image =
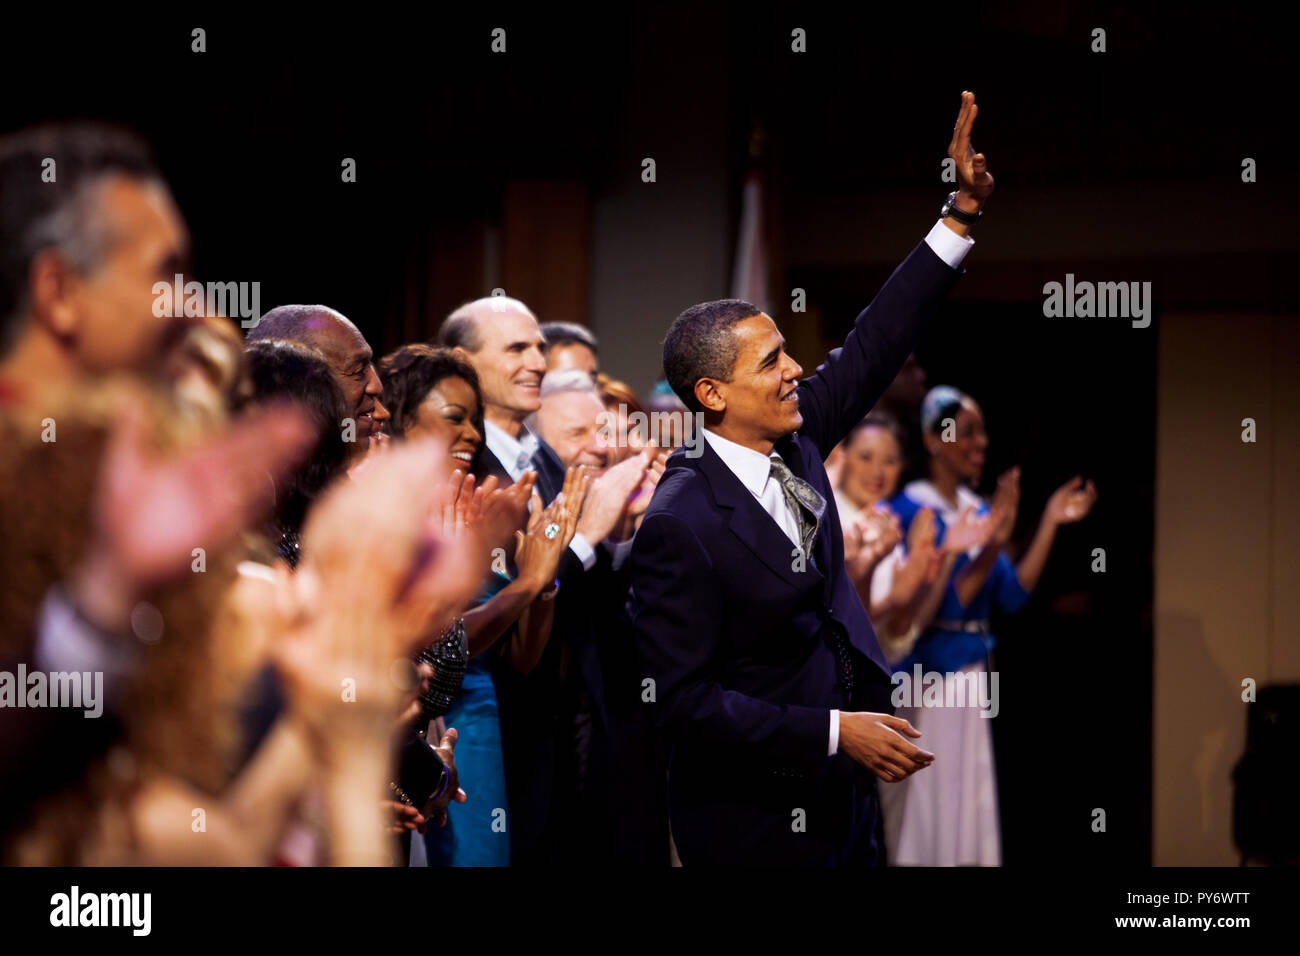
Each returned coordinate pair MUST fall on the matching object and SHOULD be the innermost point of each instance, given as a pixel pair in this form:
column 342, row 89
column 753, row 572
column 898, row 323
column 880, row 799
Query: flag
column 749, row 280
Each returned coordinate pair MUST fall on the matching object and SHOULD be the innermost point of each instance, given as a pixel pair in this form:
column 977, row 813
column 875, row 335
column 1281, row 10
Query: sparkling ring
column 552, row 530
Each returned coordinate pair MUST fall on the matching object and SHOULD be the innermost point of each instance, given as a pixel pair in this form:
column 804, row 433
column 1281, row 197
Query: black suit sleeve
column 675, row 615
column 570, row 567
column 854, row 376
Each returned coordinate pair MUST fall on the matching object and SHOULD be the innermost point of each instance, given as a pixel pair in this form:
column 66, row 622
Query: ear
column 931, row 442
column 463, row 354
column 709, row 395
column 51, row 284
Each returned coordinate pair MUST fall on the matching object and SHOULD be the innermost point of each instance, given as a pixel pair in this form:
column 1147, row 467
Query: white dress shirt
column 754, row 469
column 947, row 245
column 65, row 641
column 516, row 455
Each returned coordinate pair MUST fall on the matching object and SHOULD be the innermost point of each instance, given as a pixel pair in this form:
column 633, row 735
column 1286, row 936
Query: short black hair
column 410, row 372
column 36, row 214
column 279, row 368
column 568, row 333
column 701, row 344
column 288, row 322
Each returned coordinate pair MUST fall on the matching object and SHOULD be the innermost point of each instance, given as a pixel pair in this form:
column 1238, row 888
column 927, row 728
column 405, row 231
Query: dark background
column 1116, row 166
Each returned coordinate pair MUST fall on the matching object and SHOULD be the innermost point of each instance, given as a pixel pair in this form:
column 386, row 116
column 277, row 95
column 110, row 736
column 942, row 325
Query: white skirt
column 947, row 813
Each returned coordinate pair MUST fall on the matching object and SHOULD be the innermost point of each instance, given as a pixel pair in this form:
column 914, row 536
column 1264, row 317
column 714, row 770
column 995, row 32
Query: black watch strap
column 950, row 209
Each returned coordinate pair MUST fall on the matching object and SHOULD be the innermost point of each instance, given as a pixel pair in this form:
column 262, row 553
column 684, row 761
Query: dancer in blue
column 949, row 816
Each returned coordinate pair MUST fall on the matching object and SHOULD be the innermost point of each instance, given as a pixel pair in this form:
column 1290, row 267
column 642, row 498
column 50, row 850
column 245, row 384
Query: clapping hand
column 1005, row 507
column 970, row 530
column 504, row 509
column 1071, row 502
column 640, row 499
column 870, row 535
column 151, row 511
column 370, row 581
column 538, row 549
column 607, row 501
column 921, row 534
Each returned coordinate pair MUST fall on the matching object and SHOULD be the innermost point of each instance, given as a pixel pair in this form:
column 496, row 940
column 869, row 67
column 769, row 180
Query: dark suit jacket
column 552, row 821
column 734, row 637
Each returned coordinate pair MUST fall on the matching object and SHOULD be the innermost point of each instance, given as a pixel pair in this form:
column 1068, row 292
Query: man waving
column 758, row 657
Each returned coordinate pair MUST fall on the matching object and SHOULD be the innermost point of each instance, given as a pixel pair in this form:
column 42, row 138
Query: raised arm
column 854, row 376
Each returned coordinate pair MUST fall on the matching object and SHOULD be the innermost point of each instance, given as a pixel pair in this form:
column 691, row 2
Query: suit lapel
column 490, row 465
column 752, row 525
column 550, row 471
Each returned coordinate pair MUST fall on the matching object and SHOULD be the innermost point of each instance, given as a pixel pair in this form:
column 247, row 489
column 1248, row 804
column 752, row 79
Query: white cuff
column 66, row 642
column 585, row 552
column 947, row 245
column 835, row 734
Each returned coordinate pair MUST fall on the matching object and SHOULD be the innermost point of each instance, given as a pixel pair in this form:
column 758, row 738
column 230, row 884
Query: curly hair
column 410, row 372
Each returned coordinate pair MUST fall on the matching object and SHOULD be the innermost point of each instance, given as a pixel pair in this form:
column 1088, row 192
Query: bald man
column 349, row 355
column 500, row 337
column 552, row 717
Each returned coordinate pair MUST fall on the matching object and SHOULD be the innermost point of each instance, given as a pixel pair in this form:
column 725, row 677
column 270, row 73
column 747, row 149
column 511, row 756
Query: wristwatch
column 950, row 209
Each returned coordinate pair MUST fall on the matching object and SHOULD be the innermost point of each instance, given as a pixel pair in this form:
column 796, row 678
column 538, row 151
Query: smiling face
column 352, row 363
column 965, row 455
column 761, row 403
column 447, row 414
column 510, row 364
column 872, row 463
column 570, row 422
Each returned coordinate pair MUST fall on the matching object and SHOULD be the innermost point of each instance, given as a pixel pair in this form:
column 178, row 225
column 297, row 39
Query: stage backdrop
column 1226, row 602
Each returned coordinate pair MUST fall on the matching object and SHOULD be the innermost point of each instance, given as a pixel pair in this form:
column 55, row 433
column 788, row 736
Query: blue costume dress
column 946, row 814
column 473, row 835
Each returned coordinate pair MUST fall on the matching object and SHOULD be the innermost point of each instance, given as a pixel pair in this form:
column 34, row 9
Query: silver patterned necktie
column 809, row 508
column 804, row 500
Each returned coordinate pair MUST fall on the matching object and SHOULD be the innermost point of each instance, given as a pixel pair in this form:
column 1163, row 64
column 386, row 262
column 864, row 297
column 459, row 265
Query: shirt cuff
column 835, row 734
column 619, row 550
column 947, row 245
column 67, row 642
column 585, row 552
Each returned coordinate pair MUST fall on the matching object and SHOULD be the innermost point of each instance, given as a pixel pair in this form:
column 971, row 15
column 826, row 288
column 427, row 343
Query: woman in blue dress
column 431, row 392
column 947, row 815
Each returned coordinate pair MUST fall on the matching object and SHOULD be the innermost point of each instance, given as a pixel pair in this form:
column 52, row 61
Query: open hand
column 1071, row 502
column 877, row 742
column 970, row 530
column 974, row 181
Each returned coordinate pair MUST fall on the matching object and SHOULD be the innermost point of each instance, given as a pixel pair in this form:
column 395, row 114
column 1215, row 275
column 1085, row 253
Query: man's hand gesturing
column 974, row 181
